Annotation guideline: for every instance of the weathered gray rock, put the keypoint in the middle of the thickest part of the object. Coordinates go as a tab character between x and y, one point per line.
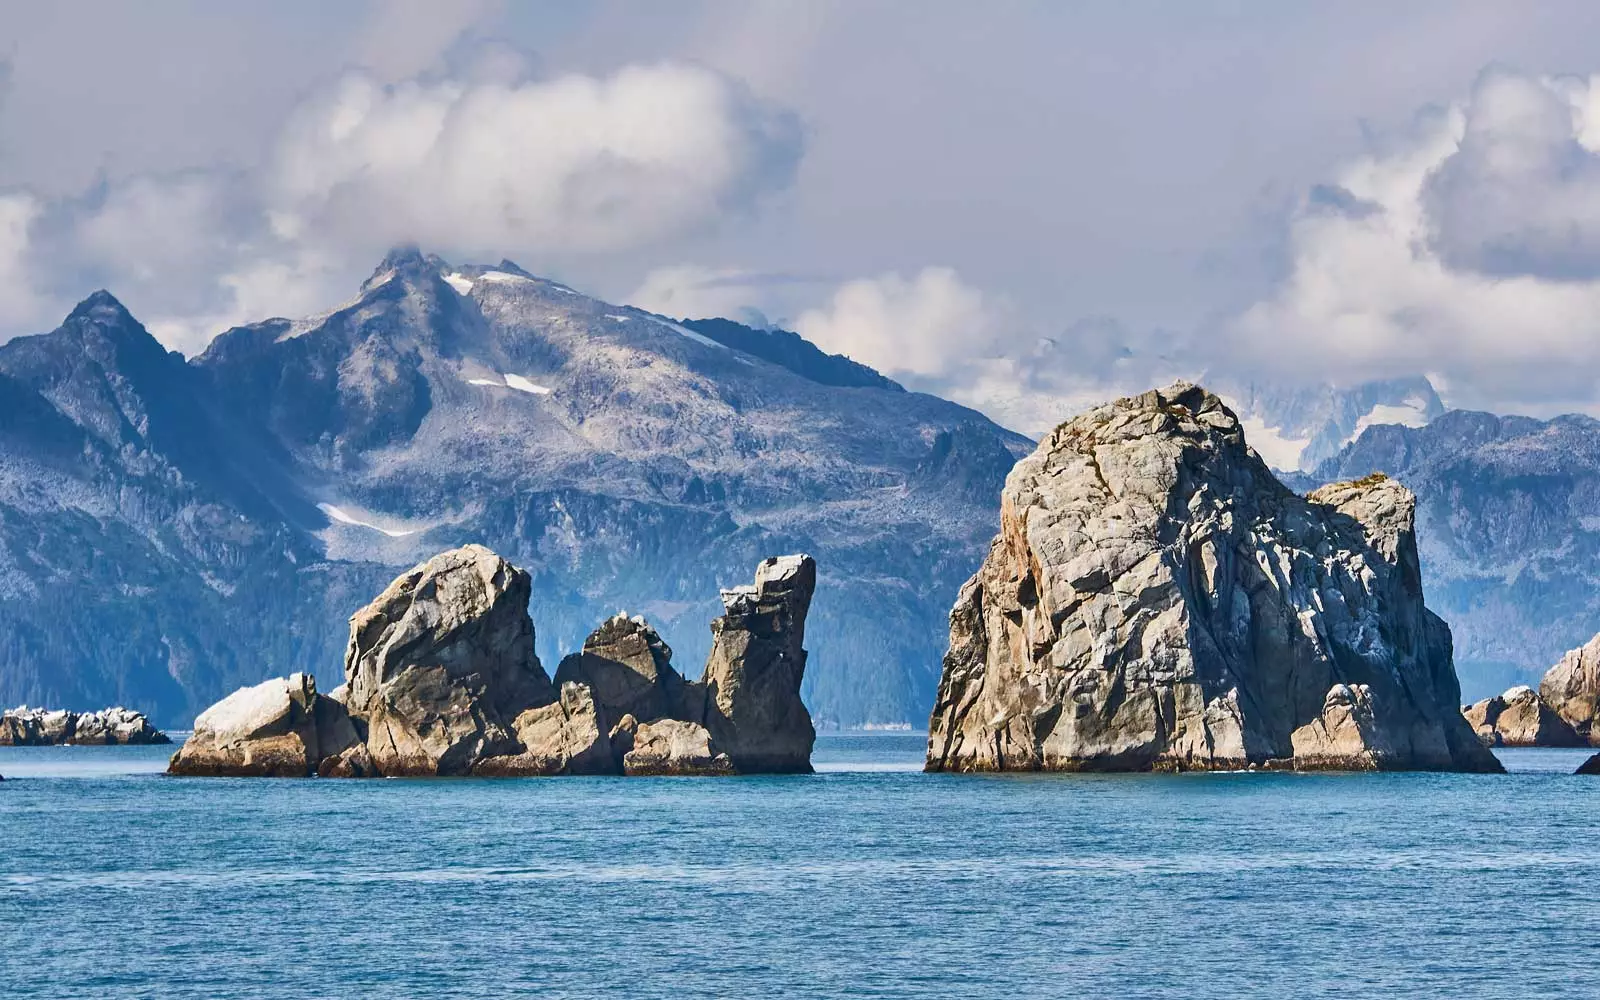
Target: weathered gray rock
1156	599
564	737
748	699
441	679
26	726
1572	690
441	665
628	668
1519	718
672	746
269	730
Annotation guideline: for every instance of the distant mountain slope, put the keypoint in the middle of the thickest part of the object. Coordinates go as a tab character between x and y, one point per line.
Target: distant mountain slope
1297	428
235	509
148	554
1509	533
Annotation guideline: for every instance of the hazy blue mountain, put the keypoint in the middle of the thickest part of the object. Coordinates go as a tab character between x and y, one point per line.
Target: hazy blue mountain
1298	427
1508	526
172	529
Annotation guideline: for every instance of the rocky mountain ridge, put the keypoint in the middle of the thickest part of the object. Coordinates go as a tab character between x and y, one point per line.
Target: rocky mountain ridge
1508	529
175	530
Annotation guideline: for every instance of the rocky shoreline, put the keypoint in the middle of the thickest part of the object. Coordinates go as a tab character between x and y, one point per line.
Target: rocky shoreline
38	727
1561	713
441	679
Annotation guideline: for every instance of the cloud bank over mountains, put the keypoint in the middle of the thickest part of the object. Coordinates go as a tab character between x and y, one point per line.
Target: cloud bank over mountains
991	235
1467	247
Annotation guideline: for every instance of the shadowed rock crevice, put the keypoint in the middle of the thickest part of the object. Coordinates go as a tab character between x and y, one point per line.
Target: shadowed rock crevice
1157	599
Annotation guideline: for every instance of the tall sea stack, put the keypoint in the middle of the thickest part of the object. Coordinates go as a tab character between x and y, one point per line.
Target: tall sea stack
1157	599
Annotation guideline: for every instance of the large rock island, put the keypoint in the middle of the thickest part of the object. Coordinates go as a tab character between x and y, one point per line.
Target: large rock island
441	678
1157	599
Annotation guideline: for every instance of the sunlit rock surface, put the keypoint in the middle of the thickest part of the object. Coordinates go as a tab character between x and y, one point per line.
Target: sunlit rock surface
1156	598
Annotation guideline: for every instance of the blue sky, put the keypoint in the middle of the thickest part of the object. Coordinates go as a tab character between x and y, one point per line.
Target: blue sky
1003	202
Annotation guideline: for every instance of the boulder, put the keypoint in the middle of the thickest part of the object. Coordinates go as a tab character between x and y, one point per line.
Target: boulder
672	746
441	664
1572	690
269	730
1590	766
1519	718
628	668
748	699
26	726
1157	599
564	737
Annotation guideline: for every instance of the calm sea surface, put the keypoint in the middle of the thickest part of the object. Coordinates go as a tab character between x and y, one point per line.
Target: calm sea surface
865	880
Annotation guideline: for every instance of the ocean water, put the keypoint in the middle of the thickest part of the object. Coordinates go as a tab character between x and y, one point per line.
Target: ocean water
866	880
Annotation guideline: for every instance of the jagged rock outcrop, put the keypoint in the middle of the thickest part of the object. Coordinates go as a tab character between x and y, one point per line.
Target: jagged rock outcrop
24	726
1519	718
628	667
441	679
441	665
1571	689
749	697
1157	599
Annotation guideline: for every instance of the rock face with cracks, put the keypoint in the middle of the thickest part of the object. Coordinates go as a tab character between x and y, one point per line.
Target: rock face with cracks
1157	599
1571	689
441	679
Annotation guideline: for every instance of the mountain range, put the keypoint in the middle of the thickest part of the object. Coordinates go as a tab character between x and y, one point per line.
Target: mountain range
171	529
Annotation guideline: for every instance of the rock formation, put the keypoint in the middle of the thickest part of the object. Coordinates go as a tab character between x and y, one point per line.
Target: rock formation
1519	718
1572	690
628	667
1590	766
26	726
269	729
749	696
441	679
1157	599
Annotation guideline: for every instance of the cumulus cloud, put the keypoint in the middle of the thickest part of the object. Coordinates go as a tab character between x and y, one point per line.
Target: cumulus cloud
483	165
576	164
925	325
18	303
1467	248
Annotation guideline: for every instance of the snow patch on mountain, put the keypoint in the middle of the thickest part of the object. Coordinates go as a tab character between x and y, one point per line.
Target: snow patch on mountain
523	385
340	515
1413	412
685	331
1276	449
459	282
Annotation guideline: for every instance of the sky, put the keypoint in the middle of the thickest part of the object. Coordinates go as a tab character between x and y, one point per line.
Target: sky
1023	206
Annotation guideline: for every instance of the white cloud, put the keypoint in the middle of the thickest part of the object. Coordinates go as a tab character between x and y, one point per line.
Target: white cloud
18	303
693	292
478	166
574	164
1467	249
925	325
